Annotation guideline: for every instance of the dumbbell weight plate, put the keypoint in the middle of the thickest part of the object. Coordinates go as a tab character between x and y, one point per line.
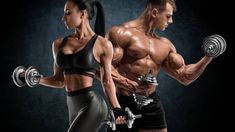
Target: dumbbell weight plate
211	47
214	45
112	121
16	76
30	74
130	118
222	41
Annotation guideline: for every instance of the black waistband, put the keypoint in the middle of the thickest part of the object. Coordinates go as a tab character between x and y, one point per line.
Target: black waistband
80	91
131	96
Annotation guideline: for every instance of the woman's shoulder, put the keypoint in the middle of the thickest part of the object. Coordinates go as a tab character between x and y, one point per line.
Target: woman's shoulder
56	43
102	40
103	43
58	40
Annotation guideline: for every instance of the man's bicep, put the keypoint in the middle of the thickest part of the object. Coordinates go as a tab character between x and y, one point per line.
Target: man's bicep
174	66
167	69
117	36
117	55
112	34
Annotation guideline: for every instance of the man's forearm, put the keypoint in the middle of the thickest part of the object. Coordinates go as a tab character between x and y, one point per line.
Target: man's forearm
193	71
119	80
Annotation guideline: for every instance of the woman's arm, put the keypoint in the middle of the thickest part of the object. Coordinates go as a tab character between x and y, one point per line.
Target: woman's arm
105	74
57	80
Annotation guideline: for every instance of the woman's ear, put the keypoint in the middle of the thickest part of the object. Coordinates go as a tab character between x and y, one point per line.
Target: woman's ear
154	12
83	14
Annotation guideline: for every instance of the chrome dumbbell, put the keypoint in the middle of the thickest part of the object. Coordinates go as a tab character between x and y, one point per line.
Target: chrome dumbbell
111	121
214	45
22	76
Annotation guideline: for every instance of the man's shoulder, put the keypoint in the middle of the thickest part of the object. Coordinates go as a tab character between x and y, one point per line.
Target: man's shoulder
165	41
120	33
124	27
119	29
128	25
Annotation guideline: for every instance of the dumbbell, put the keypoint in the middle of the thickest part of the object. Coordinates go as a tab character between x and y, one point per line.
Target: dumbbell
131	117
22	76
214	45
149	79
111	121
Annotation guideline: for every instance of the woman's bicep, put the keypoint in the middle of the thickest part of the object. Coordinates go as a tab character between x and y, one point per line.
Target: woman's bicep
58	72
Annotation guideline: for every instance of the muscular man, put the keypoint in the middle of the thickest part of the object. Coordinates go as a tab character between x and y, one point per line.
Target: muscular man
139	54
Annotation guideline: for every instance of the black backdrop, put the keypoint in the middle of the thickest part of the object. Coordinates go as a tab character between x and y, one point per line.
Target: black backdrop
29	27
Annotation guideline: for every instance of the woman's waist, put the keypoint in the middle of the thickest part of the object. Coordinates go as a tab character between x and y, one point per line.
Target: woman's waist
74	82
80	91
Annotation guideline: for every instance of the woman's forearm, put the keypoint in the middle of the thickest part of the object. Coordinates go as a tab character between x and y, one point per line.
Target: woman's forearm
52	82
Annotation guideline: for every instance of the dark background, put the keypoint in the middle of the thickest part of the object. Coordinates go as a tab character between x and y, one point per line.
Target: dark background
29	27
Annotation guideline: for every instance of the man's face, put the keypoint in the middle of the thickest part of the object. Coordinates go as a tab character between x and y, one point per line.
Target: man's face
164	17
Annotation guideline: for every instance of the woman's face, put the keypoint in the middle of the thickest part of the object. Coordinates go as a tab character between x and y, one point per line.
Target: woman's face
72	15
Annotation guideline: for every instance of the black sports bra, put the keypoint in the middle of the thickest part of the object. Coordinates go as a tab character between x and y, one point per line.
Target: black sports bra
82	62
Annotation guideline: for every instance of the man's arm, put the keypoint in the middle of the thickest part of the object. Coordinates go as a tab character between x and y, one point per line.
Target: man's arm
175	67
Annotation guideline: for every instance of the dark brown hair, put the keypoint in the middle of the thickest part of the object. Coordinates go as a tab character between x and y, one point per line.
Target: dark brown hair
161	4
88	5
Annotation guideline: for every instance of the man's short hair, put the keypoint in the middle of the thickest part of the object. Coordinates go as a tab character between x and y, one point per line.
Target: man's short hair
161	4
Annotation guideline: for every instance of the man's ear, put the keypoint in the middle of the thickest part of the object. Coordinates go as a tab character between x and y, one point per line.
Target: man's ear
154	12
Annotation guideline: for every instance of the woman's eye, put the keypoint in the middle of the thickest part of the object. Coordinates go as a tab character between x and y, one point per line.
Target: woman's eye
68	12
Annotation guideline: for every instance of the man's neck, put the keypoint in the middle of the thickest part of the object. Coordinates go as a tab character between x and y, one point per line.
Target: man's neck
146	24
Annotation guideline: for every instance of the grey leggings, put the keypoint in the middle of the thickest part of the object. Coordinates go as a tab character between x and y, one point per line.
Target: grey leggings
86	110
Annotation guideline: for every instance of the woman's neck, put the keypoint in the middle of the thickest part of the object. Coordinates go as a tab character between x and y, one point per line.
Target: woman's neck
84	30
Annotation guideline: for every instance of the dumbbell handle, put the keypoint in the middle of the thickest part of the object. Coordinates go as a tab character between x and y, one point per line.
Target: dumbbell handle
137	116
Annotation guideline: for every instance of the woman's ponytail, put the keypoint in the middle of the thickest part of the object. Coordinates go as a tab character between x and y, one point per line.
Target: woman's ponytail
100	19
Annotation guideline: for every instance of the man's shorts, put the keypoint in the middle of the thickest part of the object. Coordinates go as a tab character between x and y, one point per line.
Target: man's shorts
153	115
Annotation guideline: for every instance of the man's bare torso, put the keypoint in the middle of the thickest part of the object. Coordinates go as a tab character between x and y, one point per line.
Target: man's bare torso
142	54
